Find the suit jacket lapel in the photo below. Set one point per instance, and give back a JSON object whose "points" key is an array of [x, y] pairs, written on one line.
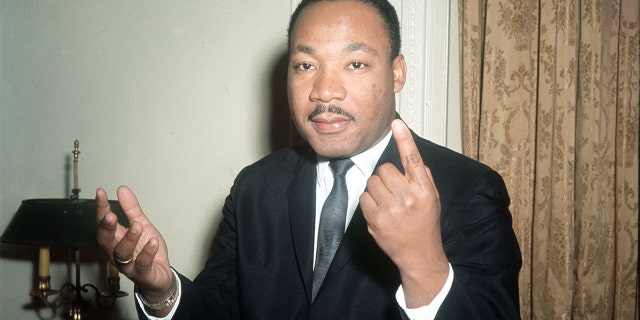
{"points": [[302, 199]]}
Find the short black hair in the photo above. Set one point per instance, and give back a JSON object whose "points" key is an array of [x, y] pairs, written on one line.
{"points": [[384, 8]]}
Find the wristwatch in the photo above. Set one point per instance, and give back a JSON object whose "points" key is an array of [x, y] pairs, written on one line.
{"points": [[165, 303]]}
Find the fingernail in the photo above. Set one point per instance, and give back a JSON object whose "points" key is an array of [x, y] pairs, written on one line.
{"points": [[398, 126]]}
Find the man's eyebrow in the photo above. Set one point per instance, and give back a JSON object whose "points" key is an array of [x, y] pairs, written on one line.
{"points": [[302, 49], [352, 47], [360, 46]]}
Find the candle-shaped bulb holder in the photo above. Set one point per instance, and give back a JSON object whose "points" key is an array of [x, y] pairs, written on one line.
{"points": [[113, 283], [113, 288], [44, 278], [44, 288]]}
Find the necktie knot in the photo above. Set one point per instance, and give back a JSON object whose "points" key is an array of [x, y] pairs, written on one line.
{"points": [[339, 167]]}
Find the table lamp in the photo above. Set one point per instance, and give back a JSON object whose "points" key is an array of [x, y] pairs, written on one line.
{"points": [[68, 223]]}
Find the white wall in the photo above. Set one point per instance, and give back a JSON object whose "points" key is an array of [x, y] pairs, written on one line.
{"points": [[171, 98]]}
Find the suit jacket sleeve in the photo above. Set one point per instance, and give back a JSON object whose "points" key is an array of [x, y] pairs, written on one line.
{"points": [[479, 241], [213, 293]]}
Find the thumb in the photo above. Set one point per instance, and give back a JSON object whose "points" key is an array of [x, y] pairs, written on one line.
{"points": [[130, 205]]}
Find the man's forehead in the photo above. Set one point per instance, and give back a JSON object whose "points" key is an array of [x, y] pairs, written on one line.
{"points": [[349, 47]]}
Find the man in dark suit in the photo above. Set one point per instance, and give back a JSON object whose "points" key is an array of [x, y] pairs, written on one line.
{"points": [[424, 232]]}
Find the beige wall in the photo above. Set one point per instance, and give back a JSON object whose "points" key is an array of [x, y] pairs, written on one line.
{"points": [[171, 98]]}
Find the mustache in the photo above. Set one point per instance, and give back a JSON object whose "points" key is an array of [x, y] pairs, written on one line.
{"points": [[330, 108]]}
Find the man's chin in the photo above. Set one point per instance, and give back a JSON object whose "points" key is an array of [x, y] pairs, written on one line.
{"points": [[330, 150]]}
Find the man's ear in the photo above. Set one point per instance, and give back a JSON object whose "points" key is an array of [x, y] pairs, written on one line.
{"points": [[399, 73]]}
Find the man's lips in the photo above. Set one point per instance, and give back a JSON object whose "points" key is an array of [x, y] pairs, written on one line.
{"points": [[329, 118], [330, 123]]}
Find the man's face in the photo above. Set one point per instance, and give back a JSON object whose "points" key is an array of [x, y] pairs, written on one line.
{"points": [[341, 82]]}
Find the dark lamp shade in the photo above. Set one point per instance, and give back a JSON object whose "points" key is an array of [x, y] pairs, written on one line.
{"points": [[57, 222]]}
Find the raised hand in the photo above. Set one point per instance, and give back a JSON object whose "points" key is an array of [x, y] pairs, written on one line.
{"points": [[139, 252], [403, 216]]}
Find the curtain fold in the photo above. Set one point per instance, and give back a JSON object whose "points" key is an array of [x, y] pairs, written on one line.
{"points": [[550, 100]]}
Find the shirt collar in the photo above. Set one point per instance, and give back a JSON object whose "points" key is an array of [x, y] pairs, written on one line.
{"points": [[365, 161]]}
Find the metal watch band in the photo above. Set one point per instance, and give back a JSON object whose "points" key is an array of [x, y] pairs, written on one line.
{"points": [[167, 302]]}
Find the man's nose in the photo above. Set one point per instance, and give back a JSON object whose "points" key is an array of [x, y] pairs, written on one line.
{"points": [[327, 86]]}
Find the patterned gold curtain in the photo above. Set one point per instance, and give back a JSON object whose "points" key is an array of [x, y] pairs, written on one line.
{"points": [[550, 100]]}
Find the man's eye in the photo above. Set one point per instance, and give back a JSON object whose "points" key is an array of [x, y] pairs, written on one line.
{"points": [[304, 66], [356, 65]]}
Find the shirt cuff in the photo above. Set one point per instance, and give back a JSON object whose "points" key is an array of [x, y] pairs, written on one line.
{"points": [[429, 311], [173, 308]]}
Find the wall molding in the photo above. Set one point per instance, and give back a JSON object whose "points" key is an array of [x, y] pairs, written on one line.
{"points": [[427, 99]]}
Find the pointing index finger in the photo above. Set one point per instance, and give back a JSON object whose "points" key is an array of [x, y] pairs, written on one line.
{"points": [[411, 159]]}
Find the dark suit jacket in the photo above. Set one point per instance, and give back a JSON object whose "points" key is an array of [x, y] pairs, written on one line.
{"points": [[263, 268]]}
